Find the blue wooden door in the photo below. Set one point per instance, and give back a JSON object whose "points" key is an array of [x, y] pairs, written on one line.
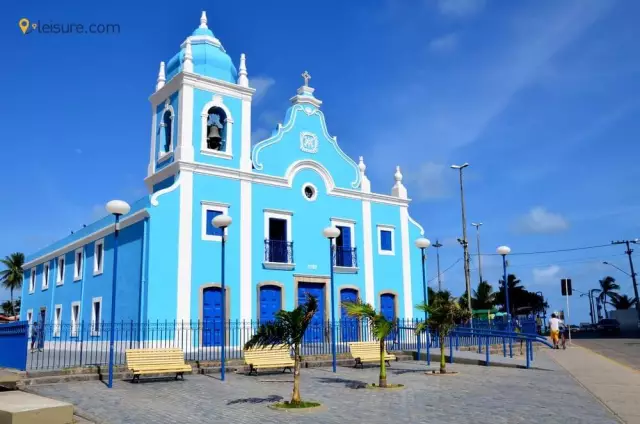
{"points": [[278, 251], [388, 308], [343, 247], [212, 317], [315, 331], [349, 325], [270, 302]]}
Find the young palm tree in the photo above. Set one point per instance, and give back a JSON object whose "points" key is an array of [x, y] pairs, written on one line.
{"points": [[483, 297], [444, 314], [622, 302], [288, 329], [608, 288], [11, 277], [381, 327]]}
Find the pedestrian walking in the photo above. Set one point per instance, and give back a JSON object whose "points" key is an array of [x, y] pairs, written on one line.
{"points": [[34, 335], [554, 326]]}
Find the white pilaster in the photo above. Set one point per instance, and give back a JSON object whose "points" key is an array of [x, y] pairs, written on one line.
{"points": [[185, 231], [184, 150], [246, 286], [367, 233], [245, 136], [406, 262], [152, 149]]}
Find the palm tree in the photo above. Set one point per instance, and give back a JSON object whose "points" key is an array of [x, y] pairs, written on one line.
{"points": [[444, 314], [608, 287], [517, 294], [381, 327], [7, 308], [11, 277], [483, 297], [622, 302], [288, 329]]}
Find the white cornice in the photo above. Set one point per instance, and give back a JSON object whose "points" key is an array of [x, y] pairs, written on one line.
{"points": [[104, 231], [201, 82]]}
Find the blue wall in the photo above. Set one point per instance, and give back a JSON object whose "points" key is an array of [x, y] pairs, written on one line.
{"points": [[387, 269]]}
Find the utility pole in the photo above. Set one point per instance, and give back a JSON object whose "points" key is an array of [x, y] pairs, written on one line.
{"points": [[477, 225], [438, 245], [464, 242], [629, 251]]}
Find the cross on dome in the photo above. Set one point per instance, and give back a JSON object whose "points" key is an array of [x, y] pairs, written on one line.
{"points": [[306, 76]]}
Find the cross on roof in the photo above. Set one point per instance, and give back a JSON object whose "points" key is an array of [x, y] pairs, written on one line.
{"points": [[307, 76]]}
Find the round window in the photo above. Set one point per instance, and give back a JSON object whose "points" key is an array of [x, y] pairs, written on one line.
{"points": [[309, 192]]}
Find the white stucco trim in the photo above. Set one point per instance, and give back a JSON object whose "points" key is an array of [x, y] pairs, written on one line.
{"points": [[346, 223], [185, 232], [152, 153], [214, 203], [57, 320], [414, 222], [237, 174], [277, 211], [175, 185], [278, 215], [245, 136], [30, 319], [184, 144], [98, 266], [162, 154], [392, 229], [32, 280], [216, 101], [211, 206], [96, 319], [200, 82], [246, 285], [299, 165], [313, 188], [75, 319], [60, 270], [406, 263], [108, 229], [78, 273], [46, 270]]}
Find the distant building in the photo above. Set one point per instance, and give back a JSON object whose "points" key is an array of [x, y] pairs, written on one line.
{"points": [[280, 193]]}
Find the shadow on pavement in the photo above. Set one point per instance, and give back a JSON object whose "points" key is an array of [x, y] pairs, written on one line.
{"points": [[351, 384], [254, 400]]}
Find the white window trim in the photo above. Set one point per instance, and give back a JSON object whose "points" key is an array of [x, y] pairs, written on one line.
{"points": [[162, 155], [95, 319], [391, 228], [315, 192], [30, 320], [217, 101], [212, 206], [345, 223], [75, 321], [46, 269], [57, 320], [286, 215], [32, 280], [77, 275], [60, 270], [97, 270]]}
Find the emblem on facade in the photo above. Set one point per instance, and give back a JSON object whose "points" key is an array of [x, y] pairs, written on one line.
{"points": [[308, 142]]}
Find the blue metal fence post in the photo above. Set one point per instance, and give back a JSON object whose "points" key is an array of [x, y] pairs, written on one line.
{"points": [[333, 309], [224, 310], [486, 349], [528, 357], [504, 346], [113, 301], [428, 349], [418, 337], [450, 348]]}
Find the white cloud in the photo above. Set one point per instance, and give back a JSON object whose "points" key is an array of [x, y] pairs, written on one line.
{"points": [[546, 275], [446, 43], [262, 86], [429, 181], [460, 8], [539, 220]]}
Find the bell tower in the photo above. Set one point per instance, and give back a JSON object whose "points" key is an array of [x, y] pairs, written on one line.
{"points": [[201, 109]]}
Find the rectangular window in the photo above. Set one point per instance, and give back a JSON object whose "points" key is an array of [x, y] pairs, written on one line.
{"points": [[75, 318], [45, 276], [30, 319], [96, 316], [386, 242], [77, 266], [209, 211], [344, 244], [32, 280], [57, 320], [98, 257], [60, 279], [278, 237]]}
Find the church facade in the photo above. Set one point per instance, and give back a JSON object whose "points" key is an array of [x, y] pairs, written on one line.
{"points": [[280, 193]]}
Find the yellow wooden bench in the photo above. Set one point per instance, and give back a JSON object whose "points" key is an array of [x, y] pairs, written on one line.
{"points": [[156, 361], [278, 356], [368, 352]]}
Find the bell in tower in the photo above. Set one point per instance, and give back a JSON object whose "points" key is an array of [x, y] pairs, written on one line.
{"points": [[214, 132]]}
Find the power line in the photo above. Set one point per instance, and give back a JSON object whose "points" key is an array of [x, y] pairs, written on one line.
{"points": [[548, 251], [577, 260], [447, 269]]}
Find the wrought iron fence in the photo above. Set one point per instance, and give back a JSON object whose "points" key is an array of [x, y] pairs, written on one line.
{"points": [[278, 251], [345, 256], [65, 345]]}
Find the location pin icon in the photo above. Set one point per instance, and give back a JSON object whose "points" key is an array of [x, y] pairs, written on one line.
{"points": [[24, 25]]}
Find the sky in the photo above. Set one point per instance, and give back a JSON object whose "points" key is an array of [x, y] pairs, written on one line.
{"points": [[539, 97]]}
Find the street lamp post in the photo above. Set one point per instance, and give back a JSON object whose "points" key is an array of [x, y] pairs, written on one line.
{"points": [[544, 310], [477, 225], [222, 222], [117, 208], [504, 251], [423, 244], [438, 245], [332, 233], [464, 242]]}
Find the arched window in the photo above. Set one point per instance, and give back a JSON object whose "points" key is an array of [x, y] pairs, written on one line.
{"points": [[216, 129], [167, 122]]}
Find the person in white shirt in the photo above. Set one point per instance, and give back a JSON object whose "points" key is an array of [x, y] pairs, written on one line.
{"points": [[554, 326]]}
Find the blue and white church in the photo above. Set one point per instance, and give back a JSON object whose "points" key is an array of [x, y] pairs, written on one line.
{"points": [[280, 193]]}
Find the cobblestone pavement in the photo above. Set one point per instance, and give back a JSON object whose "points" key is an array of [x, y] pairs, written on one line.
{"points": [[477, 394]]}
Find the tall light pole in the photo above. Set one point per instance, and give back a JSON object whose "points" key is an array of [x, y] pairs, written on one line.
{"points": [[438, 245], [629, 251], [504, 251], [423, 244], [117, 208], [222, 222], [464, 242], [332, 233], [477, 225]]}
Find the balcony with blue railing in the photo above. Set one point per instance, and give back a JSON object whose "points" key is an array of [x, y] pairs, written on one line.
{"points": [[278, 254], [345, 260]]}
